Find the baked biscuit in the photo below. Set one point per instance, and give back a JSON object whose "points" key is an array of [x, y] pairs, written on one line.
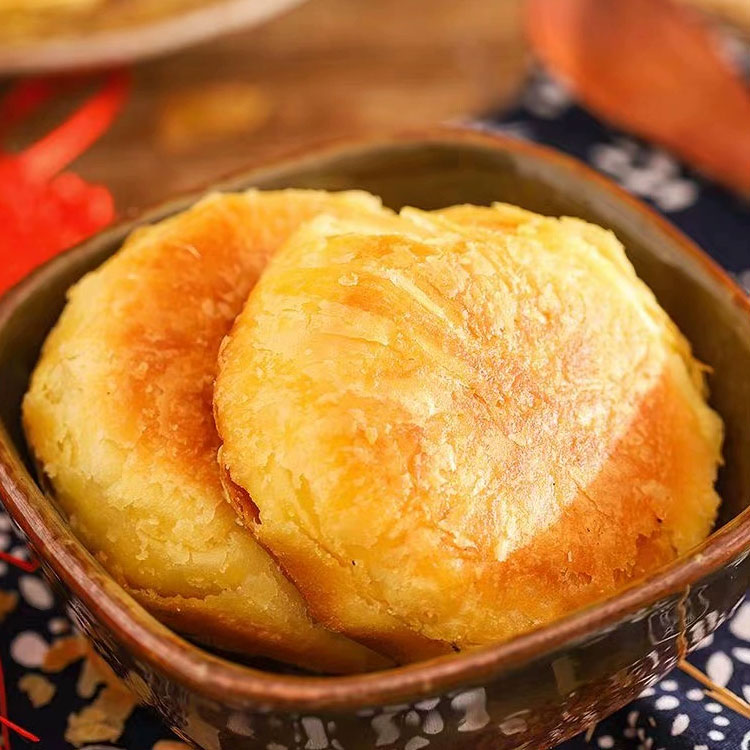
{"points": [[119, 418], [463, 429]]}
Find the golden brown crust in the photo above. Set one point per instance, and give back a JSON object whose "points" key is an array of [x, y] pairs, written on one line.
{"points": [[221, 621], [119, 414], [463, 428], [332, 591]]}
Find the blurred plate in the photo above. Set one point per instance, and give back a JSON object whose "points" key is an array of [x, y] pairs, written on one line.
{"points": [[44, 35]]}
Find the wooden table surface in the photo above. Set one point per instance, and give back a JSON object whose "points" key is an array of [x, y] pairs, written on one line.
{"points": [[325, 69]]}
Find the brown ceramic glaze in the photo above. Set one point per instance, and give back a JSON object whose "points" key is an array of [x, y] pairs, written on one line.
{"points": [[533, 691]]}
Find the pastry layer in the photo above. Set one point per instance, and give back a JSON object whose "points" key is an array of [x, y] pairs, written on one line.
{"points": [[119, 417], [463, 427]]}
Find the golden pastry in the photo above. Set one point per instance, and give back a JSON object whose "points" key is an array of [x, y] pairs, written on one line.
{"points": [[119, 417], [463, 428]]}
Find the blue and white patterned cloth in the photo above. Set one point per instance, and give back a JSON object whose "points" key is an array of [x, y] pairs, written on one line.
{"points": [[675, 713]]}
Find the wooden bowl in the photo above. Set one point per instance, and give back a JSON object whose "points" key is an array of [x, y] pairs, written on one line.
{"points": [[532, 691], [116, 44]]}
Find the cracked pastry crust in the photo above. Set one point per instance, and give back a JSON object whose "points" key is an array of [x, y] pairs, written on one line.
{"points": [[119, 418], [464, 427]]}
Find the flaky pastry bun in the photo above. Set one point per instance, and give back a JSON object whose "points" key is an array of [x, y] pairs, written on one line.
{"points": [[463, 427], [119, 417]]}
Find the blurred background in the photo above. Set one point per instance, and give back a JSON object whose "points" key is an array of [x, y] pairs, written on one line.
{"points": [[319, 70], [185, 91], [213, 85]]}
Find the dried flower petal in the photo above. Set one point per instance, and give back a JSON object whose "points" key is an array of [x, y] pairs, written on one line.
{"points": [[103, 720], [95, 672], [38, 688], [8, 603], [88, 681], [64, 652]]}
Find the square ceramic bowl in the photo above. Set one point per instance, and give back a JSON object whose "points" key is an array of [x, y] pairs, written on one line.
{"points": [[532, 691]]}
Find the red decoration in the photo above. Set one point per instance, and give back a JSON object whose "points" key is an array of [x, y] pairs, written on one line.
{"points": [[27, 566], [30, 736], [43, 209]]}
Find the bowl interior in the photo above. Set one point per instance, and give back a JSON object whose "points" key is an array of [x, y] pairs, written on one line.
{"points": [[438, 172]]}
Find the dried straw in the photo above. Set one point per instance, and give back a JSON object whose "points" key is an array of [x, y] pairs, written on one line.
{"points": [[717, 692]]}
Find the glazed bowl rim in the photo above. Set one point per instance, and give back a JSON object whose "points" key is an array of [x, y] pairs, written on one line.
{"points": [[218, 678]]}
